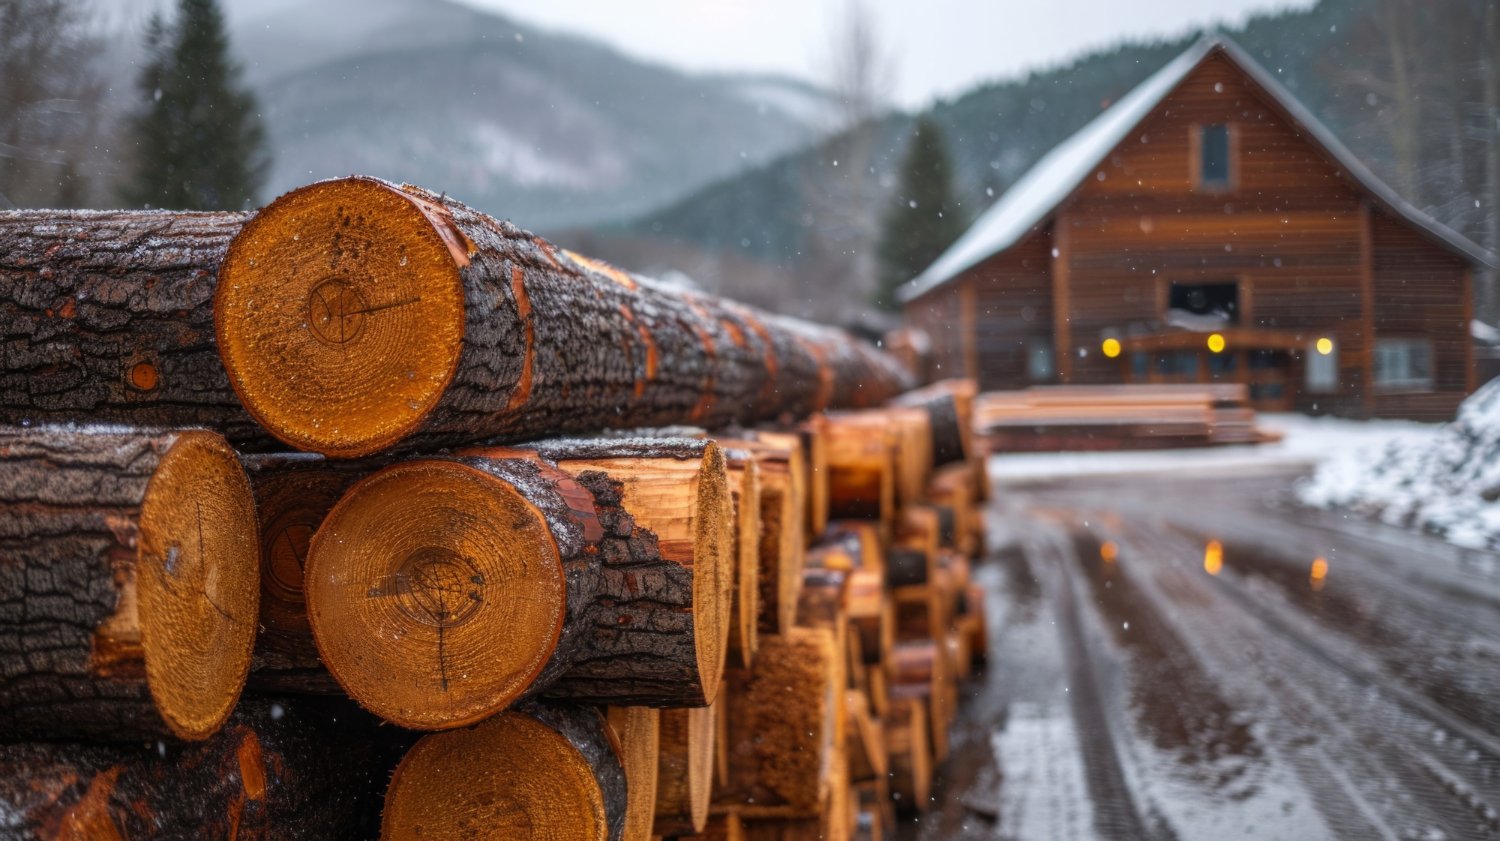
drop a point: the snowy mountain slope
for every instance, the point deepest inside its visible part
(545, 128)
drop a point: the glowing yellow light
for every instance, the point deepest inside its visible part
(1109, 551)
(1215, 342)
(1213, 557)
(1111, 348)
(1319, 573)
(1325, 346)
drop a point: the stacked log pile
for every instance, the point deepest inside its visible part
(271, 483)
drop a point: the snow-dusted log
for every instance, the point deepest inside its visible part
(354, 315)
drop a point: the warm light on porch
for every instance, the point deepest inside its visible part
(1111, 348)
(1216, 342)
(1325, 346)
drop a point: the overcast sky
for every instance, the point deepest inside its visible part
(940, 47)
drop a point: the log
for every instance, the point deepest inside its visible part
(813, 432)
(866, 744)
(355, 315)
(293, 494)
(540, 772)
(128, 583)
(685, 772)
(637, 732)
(782, 540)
(107, 320)
(906, 740)
(950, 430)
(861, 467)
(744, 487)
(919, 671)
(781, 728)
(440, 591)
(289, 769)
(913, 431)
(678, 489)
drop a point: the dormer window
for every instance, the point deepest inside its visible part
(1214, 162)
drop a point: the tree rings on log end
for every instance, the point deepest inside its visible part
(340, 315)
(512, 777)
(197, 583)
(435, 592)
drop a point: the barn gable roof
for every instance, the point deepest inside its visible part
(1031, 201)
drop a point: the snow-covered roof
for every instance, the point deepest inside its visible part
(1030, 202)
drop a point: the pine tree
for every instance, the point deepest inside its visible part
(199, 140)
(924, 218)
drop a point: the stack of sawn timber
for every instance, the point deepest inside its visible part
(608, 637)
(1117, 417)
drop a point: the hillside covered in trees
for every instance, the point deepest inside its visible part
(1413, 88)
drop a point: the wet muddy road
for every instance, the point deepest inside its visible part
(1196, 657)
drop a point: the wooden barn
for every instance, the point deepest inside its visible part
(1207, 228)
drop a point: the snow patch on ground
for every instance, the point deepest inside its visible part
(1447, 484)
(1306, 441)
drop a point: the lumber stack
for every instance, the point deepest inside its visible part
(1117, 417)
(616, 562)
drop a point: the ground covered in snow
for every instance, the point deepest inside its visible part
(1446, 483)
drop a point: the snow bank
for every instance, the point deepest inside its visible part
(1446, 483)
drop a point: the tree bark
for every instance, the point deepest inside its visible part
(107, 318)
(536, 772)
(128, 583)
(677, 490)
(289, 769)
(439, 591)
(356, 315)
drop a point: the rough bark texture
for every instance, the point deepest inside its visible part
(278, 770)
(552, 341)
(639, 646)
(105, 316)
(72, 664)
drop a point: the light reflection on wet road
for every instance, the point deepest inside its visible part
(1197, 657)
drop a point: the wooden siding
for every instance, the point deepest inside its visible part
(1422, 291)
(1287, 230)
(1013, 294)
(938, 314)
(1308, 250)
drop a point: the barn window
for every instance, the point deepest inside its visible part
(1203, 305)
(1403, 365)
(1213, 156)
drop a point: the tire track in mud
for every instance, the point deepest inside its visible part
(1357, 737)
(1116, 812)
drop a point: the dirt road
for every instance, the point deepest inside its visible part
(1197, 657)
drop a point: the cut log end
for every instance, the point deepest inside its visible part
(638, 732)
(436, 593)
(511, 777)
(695, 531)
(197, 583)
(353, 286)
(685, 776)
